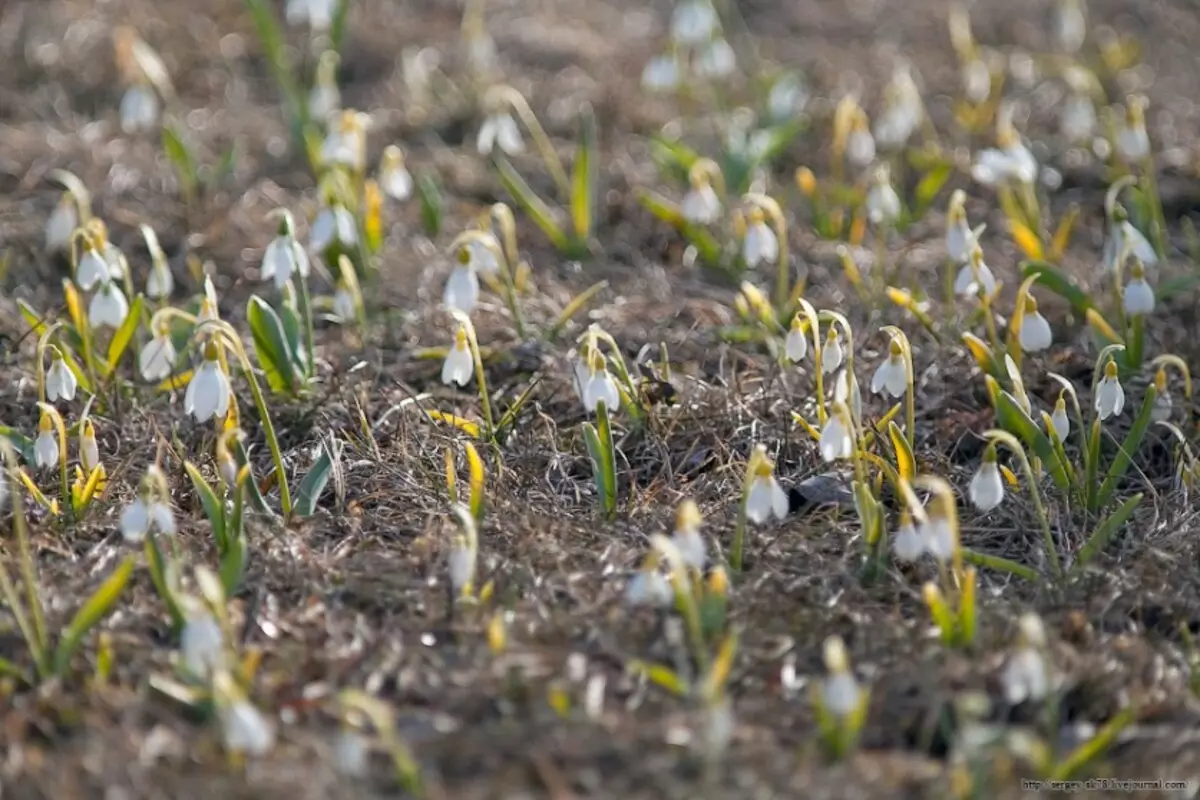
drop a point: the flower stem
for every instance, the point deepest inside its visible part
(545, 147)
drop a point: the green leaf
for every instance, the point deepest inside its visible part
(94, 610)
(584, 176)
(214, 508)
(510, 415)
(337, 27)
(1057, 282)
(928, 187)
(430, 195)
(673, 158)
(254, 493)
(1086, 754)
(223, 168)
(1124, 457)
(272, 40)
(162, 581)
(573, 308)
(292, 331)
(531, 204)
(662, 208)
(662, 676)
(1174, 287)
(270, 344)
(600, 448)
(180, 156)
(1013, 419)
(906, 463)
(1000, 564)
(314, 484)
(12, 670)
(124, 335)
(233, 560)
(20, 442)
(1104, 532)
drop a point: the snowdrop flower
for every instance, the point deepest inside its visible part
(796, 344)
(907, 544)
(836, 441)
(1078, 122)
(139, 109)
(1110, 397)
(108, 308)
(1123, 240)
(661, 74)
(860, 144)
(160, 283)
(883, 204)
(939, 538)
(902, 112)
(687, 535)
(787, 98)
(346, 142)
(960, 241)
(600, 386)
(892, 374)
(333, 224)
(117, 265)
(45, 447)
(1009, 162)
(649, 587)
(1162, 400)
(1070, 25)
(840, 692)
(700, 205)
(143, 515)
(977, 81)
(987, 487)
(157, 357)
(1059, 420)
(343, 304)
(92, 267)
(245, 729)
(717, 60)
(61, 224)
(317, 13)
(760, 245)
(831, 354)
(60, 381)
(500, 130)
(1026, 675)
(351, 754)
(202, 645)
(394, 176)
(975, 276)
(284, 256)
(694, 22)
(459, 365)
(207, 395)
(461, 566)
(89, 451)
(1133, 143)
(324, 100)
(1035, 334)
(765, 496)
(1138, 297)
(462, 287)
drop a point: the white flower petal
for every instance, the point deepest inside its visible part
(156, 359)
(458, 367)
(1035, 333)
(135, 521)
(462, 290)
(246, 730)
(45, 449)
(987, 487)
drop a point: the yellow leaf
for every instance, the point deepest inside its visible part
(1010, 477)
(906, 464)
(803, 423)
(463, 424)
(558, 699)
(718, 673)
(1101, 325)
(74, 307)
(1062, 236)
(900, 297)
(175, 382)
(37, 494)
(1026, 240)
(979, 350)
(451, 476)
(858, 230)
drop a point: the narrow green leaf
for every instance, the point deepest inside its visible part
(223, 168)
(510, 415)
(1105, 531)
(214, 508)
(928, 187)
(1086, 754)
(20, 442)
(595, 452)
(1000, 564)
(667, 211)
(293, 332)
(1058, 282)
(609, 458)
(531, 204)
(1124, 457)
(180, 156)
(124, 335)
(270, 344)
(254, 494)
(233, 560)
(272, 40)
(673, 158)
(662, 676)
(584, 176)
(430, 195)
(1132, 357)
(163, 583)
(337, 27)
(314, 484)
(94, 610)
(1013, 419)
(573, 308)
(12, 670)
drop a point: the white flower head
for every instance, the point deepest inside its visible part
(202, 645)
(1059, 420)
(975, 276)
(700, 205)
(483, 254)
(840, 692)
(343, 304)
(283, 257)
(160, 282)
(860, 144)
(139, 109)
(892, 374)
(1110, 397)
(333, 224)
(1010, 161)
(717, 60)
(462, 287)
(1026, 675)
(208, 393)
(687, 536)
(500, 130)
(760, 245)
(832, 353)
(60, 381)
(157, 357)
(245, 729)
(1133, 143)
(109, 307)
(394, 177)
(836, 441)
(883, 204)
(1078, 120)
(1035, 334)
(661, 74)
(787, 98)
(1070, 25)
(89, 451)
(765, 496)
(939, 537)
(902, 112)
(317, 14)
(61, 224)
(960, 241)
(144, 515)
(1138, 297)
(92, 268)
(1125, 240)
(45, 447)
(694, 22)
(346, 142)
(908, 544)
(987, 486)
(795, 346)
(461, 566)
(459, 365)
(649, 587)
(600, 385)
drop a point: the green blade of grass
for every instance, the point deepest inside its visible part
(668, 212)
(1104, 532)
(1000, 564)
(94, 610)
(214, 509)
(271, 38)
(1057, 281)
(180, 156)
(584, 176)
(1012, 418)
(432, 208)
(534, 206)
(270, 344)
(123, 336)
(314, 484)
(1124, 457)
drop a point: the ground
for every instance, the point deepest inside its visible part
(356, 595)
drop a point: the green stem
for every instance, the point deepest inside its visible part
(309, 336)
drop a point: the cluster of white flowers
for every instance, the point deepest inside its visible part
(696, 39)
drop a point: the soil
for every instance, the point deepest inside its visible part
(356, 596)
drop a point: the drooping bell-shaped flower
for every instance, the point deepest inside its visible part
(1138, 297)
(45, 447)
(208, 393)
(462, 287)
(960, 241)
(662, 73)
(787, 98)
(245, 729)
(139, 109)
(974, 276)
(346, 143)
(649, 587)
(883, 204)
(202, 645)
(700, 205)
(144, 515)
(394, 177)
(317, 14)
(600, 385)
(1026, 675)
(61, 224)
(333, 224)
(716, 60)
(860, 144)
(1035, 334)
(1125, 240)
(459, 365)
(1009, 162)
(687, 536)
(343, 304)
(92, 268)
(1070, 25)
(1161, 411)
(160, 282)
(765, 497)
(157, 357)
(840, 693)
(694, 22)
(109, 307)
(795, 346)
(500, 130)
(1078, 118)
(832, 354)
(1133, 143)
(285, 257)
(836, 440)
(987, 486)
(89, 451)
(1059, 420)
(902, 112)
(1110, 397)
(907, 543)
(60, 381)
(892, 374)
(760, 245)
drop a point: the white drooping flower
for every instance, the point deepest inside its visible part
(1035, 334)
(765, 496)
(836, 441)
(139, 109)
(717, 60)
(907, 544)
(1124, 240)
(987, 486)
(883, 204)
(649, 587)
(317, 14)
(245, 729)
(60, 381)
(160, 282)
(939, 537)
(462, 289)
(500, 130)
(840, 692)
(892, 374)
(108, 308)
(61, 224)
(92, 268)
(1138, 297)
(960, 240)
(700, 205)
(1161, 411)
(902, 112)
(346, 142)
(694, 22)
(394, 177)
(1133, 143)
(459, 365)
(461, 565)
(832, 354)
(1026, 675)
(687, 536)
(1078, 118)
(202, 645)
(351, 754)
(343, 304)
(157, 357)
(661, 74)
(117, 265)
(143, 515)
(1059, 419)
(1110, 397)
(89, 450)
(787, 98)
(860, 144)
(324, 100)
(600, 386)
(795, 346)
(1010, 161)
(760, 245)
(974, 276)
(45, 447)
(1070, 25)
(333, 224)
(207, 395)
(284, 257)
